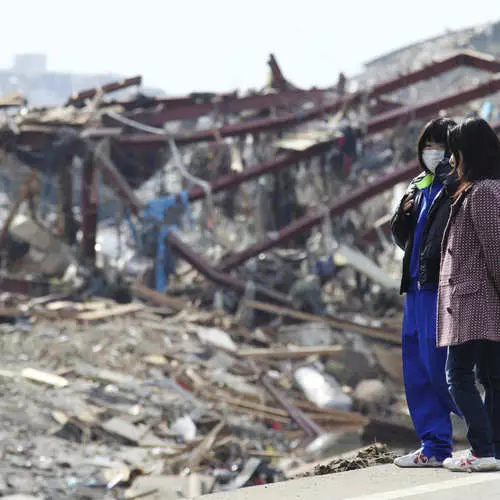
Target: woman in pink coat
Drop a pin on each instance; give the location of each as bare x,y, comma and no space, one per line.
469,291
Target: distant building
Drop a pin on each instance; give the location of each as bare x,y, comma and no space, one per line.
30,64
41,87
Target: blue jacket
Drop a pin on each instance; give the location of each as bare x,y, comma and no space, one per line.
426,221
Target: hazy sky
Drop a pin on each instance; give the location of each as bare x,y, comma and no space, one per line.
186,45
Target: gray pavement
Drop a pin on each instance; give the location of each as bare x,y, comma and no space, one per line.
384,482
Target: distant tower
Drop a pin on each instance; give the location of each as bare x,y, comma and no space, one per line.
30,64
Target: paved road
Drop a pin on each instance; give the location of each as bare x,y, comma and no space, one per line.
384,482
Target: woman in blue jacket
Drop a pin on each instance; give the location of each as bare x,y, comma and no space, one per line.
418,227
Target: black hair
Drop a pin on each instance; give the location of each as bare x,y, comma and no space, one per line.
435,131
480,148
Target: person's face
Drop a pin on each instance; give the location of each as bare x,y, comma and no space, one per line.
433,145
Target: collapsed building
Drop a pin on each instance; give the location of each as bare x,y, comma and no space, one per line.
204,286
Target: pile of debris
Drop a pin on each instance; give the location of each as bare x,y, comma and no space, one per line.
375,454
136,398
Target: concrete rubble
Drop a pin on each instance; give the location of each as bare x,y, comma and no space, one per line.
200,293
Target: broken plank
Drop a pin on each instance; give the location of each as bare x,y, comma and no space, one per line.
44,377
155,359
124,429
356,421
111,312
77,306
339,324
340,416
197,454
246,404
145,293
288,353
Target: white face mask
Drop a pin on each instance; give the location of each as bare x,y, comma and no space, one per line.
432,158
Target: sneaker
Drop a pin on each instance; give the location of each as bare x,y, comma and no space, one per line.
417,459
471,463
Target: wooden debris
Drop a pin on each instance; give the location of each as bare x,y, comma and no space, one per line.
169,487
340,324
155,359
291,353
44,377
60,417
145,293
120,310
7,374
204,447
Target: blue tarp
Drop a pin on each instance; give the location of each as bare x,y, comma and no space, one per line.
155,212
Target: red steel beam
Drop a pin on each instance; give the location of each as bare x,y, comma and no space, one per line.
423,110
478,61
384,106
282,161
376,124
107,88
338,207
195,98
217,277
118,183
316,216
197,261
226,105
157,118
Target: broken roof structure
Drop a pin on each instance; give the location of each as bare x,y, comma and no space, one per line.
139,136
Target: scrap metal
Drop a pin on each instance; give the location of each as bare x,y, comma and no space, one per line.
82,96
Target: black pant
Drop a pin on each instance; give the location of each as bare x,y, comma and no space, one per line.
482,419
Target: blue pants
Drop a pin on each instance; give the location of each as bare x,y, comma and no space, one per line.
427,395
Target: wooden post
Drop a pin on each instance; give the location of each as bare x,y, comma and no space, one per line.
67,220
90,199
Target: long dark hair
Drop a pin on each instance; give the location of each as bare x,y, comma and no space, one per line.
480,149
434,131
